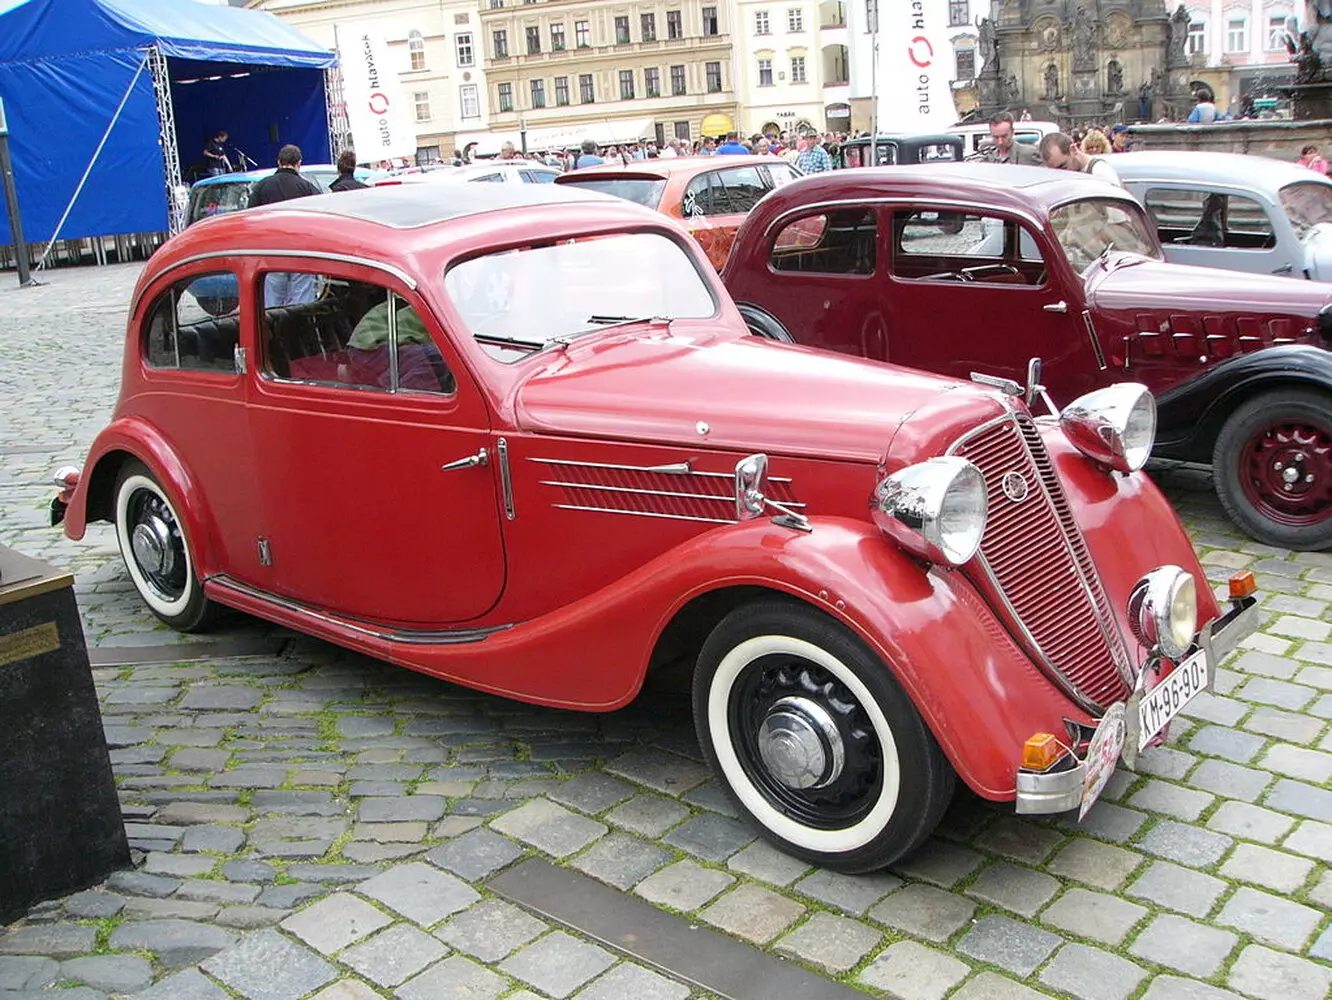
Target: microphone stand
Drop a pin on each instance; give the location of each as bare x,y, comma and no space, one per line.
243,158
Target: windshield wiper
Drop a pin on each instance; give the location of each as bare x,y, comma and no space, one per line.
609,321
494,338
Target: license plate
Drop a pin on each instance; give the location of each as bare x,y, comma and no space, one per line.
1107,743
1165,701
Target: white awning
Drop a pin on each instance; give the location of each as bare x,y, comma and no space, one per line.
603,133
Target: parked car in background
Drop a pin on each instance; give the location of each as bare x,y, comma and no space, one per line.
976,135
710,195
1241,213
899,148
1068,268
520,423
486,172
231,192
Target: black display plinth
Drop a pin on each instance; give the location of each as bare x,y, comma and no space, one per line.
60,823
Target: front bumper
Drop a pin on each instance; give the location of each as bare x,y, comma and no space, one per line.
1061,787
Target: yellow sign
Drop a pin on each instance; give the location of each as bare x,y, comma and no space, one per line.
29,643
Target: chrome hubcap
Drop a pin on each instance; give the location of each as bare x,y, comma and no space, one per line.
800,744
153,549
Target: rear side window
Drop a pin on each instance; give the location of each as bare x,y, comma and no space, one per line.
1198,217
194,325
839,242
725,192
643,190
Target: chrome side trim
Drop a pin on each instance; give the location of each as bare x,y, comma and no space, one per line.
676,469
642,513
410,637
506,478
1095,340
729,500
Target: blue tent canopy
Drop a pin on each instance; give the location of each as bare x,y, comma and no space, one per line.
69,69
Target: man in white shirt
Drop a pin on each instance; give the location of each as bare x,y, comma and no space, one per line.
1059,152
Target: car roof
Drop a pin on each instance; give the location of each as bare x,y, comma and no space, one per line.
1260,172
924,138
249,176
670,166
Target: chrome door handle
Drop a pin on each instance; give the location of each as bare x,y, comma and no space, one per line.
1283,269
482,457
1056,307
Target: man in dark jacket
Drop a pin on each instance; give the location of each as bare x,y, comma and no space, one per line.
285,183
346,173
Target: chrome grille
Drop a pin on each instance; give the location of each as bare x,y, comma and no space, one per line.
1035,568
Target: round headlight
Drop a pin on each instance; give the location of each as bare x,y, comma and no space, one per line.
935,509
1115,426
1163,610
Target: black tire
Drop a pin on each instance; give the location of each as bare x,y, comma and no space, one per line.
1272,467
778,664
157,552
763,324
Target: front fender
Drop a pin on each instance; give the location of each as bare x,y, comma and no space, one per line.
1190,416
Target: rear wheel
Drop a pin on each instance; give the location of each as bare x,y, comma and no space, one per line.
763,324
815,739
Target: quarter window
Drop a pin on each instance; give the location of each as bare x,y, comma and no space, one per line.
840,242
1197,217
195,326
463,45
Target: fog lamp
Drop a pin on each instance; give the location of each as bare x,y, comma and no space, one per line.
1163,610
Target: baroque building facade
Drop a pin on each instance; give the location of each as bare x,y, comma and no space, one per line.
793,63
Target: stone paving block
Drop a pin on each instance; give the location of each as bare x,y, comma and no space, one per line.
1270,975
94,905
913,972
455,978
1250,822
401,809
1300,799
189,984
1174,988
938,861
1283,872
622,860
1282,694
662,772
549,827
332,874
1173,800
628,980
1182,944
475,854
1315,652
923,911
49,940
992,986
558,964
133,883
1322,947
113,973
1300,628
217,839
1091,974
1185,844
248,918
410,832
222,698
685,885
284,897
592,792
753,913
1015,888
177,865
1271,919
711,837
853,894
168,909
833,943
419,892
1212,708
1095,863
176,943
1016,947
191,759
1298,762
1165,762
1268,664
210,891
335,922
1093,915
1311,839
764,862
347,989
393,956
1017,839
1321,893
1290,726
28,972
1315,677
1106,821
1230,780
1177,888
490,930
1222,741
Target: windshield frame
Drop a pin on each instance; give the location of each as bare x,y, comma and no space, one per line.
1302,229
1126,204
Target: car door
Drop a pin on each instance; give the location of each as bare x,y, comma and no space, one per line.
374,452
1213,226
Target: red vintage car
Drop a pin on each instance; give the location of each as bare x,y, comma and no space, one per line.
433,431
710,194
1058,265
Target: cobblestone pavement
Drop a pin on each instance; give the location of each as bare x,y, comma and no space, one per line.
314,823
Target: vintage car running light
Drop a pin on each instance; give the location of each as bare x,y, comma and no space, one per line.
1041,751
1115,426
935,509
1163,610
1243,585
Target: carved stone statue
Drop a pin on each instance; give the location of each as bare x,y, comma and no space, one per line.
987,43
1308,62
1145,102
1114,78
1179,37
1084,33
1318,25
1012,93
1051,82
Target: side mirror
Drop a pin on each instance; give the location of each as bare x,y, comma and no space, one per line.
750,479
1035,367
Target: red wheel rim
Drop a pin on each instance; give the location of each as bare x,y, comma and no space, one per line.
1286,471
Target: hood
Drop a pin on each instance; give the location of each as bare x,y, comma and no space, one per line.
692,388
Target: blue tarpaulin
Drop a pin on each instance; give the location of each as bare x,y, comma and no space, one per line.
67,65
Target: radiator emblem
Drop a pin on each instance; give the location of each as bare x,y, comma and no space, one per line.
1014,485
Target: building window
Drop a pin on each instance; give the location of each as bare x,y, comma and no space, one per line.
586,93
714,77
582,34
562,90
426,155
1278,28
538,93
764,74
682,130
1197,38
872,15
416,47
506,97
761,25
500,38
798,69
648,22
533,41
421,99
652,82
959,14
710,21
1237,35
795,19
626,85
496,4
470,100
462,43
622,31
674,24
966,64
677,81
557,37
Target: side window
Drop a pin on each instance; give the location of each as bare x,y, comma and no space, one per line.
840,242
951,246
700,198
348,333
194,325
744,187
489,179
1199,217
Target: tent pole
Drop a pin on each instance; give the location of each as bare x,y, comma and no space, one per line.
166,126
55,235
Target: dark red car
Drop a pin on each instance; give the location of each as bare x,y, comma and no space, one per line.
1060,266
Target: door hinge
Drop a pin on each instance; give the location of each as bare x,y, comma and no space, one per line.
265,553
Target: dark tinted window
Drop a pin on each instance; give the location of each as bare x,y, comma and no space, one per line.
840,242
643,190
194,325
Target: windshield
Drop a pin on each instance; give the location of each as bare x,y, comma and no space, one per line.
1307,204
1088,228
643,190
519,300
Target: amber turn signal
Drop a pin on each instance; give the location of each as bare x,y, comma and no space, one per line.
1243,585
1041,751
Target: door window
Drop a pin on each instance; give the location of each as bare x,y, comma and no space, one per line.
780,174
195,325
352,334
840,242
964,247
743,187
1198,217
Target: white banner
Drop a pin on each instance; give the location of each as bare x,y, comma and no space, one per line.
380,118
915,64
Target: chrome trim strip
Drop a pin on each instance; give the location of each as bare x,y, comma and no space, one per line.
410,637
506,479
651,493
642,513
1090,326
678,469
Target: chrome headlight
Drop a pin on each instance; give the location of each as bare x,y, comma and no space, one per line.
935,509
1115,426
1163,610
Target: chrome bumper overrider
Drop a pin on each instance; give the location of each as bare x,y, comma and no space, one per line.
1060,788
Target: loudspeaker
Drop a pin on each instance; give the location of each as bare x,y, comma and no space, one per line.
273,133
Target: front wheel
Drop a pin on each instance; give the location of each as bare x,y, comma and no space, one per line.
1272,464
815,739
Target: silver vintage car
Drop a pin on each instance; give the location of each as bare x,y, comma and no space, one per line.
1233,211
